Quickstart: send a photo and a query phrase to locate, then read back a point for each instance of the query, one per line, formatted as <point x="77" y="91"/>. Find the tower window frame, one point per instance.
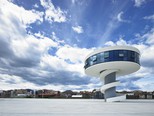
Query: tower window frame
<point x="106" y="54"/>
<point x="121" y="54"/>
<point x="94" y="58"/>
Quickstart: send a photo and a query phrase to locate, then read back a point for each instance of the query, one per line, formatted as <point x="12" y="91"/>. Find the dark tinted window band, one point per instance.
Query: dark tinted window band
<point x="113" y="55"/>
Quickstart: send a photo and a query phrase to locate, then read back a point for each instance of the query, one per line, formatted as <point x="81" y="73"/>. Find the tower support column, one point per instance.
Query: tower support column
<point x="110" y="92"/>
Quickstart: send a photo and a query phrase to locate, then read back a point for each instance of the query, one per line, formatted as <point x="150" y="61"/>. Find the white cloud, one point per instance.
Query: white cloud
<point x="150" y="37"/>
<point x="73" y="1"/>
<point x="147" y="37"/>
<point x="77" y="29"/>
<point x="24" y="16"/>
<point x="32" y="46"/>
<point x="146" y="84"/>
<point x="120" y="42"/>
<point x="26" y="61"/>
<point x="138" y="3"/>
<point x="151" y="17"/>
<point x="53" y="14"/>
<point x="36" y="6"/>
<point x="74" y="54"/>
<point x="109" y="43"/>
<point x="147" y="48"/>
<point x="14" y="82"/>
<point x="9" y="82"/>
<point x="119" y="18"/>
<point x="67" y="58"/>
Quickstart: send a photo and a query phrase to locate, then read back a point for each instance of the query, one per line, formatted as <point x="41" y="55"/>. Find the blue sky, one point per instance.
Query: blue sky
<point x="43" y="43"/>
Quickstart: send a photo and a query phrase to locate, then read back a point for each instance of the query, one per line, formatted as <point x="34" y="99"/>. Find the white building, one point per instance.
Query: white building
<point x="109" y="63"/>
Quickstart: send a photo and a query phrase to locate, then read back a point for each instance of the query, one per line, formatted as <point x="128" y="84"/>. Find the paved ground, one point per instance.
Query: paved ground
<point x="75" y="107"/>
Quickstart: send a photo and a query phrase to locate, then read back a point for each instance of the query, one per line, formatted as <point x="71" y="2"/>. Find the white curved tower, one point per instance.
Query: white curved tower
<point x="109" y="63"/>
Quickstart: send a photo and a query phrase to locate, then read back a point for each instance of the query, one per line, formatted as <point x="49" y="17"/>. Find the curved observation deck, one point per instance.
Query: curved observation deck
<point x="109" y="62"/>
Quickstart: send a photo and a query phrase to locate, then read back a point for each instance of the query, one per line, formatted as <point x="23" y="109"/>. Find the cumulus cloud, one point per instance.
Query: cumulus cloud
<point x="67" y="58"/>
<point x="120" y="19"/>
<point x="16" y="82"/>
<point x="138" y="3"/>
<point x="73" y="1"/>
<point x="36" y="6"/>
<point x="74" y="54"/>
<point x="77" y="29"/>
<point x="148" y="48"/>
<point x="129" y="84"/>
<point x="25" y="58"/>
<point x="151" y="17"/>
<point x="120" y="42"/>
<point x="26" y="62"/>
<point x="53" y="14"/>
<point x="24" y="16"/>
<point x="145" y="83"/>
